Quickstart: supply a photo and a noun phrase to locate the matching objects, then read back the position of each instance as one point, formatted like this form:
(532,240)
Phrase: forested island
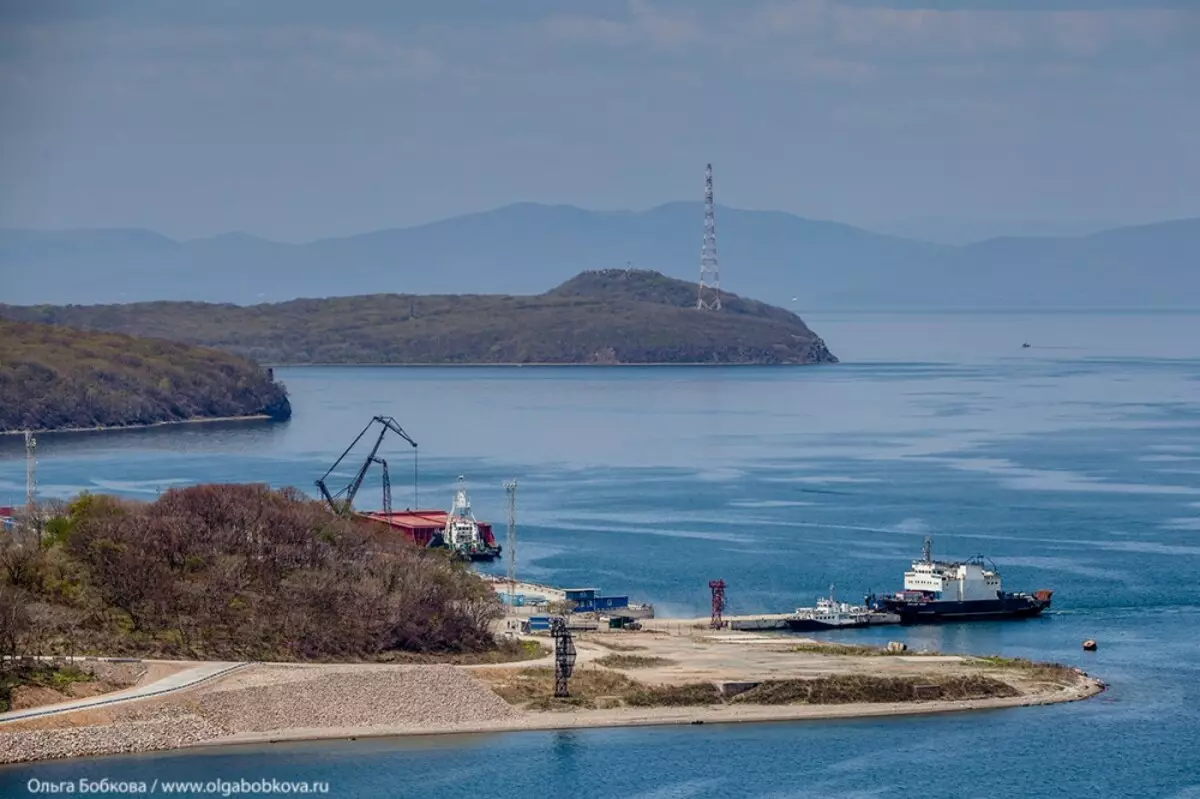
(613,316)
(59,378)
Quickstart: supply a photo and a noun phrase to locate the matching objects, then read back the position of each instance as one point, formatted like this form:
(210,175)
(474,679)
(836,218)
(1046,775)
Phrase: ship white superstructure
(462,531)
(952,581)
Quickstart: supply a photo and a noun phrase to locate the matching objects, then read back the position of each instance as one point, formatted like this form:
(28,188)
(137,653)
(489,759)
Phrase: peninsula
(57,378)
(242,614)
(613,316)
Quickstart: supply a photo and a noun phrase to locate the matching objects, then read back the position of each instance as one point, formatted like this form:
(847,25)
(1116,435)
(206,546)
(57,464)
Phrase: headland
(55,378)
(606,317)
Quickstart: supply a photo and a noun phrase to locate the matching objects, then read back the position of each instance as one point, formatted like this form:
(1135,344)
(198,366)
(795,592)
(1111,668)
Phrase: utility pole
(510,488)
(31,513)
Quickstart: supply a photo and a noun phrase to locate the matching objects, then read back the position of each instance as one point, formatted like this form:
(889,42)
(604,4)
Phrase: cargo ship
(943,591)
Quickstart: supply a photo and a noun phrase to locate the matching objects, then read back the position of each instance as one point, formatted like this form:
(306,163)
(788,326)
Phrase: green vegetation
(54,378)
(614,645)
(687,695)
(632,661)
(1056,673)
(840,689)
(234,572)
(600,688)
(56,676)
(505,651)
(608,317)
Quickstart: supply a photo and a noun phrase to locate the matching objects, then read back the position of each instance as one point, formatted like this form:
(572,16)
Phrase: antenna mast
(511,489)
(709,297)
(718,603)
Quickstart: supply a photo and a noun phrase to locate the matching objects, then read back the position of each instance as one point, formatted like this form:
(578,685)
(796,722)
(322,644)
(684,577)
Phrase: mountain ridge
(522,247)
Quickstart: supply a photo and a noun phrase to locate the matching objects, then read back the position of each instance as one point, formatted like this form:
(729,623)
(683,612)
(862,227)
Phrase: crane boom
(351,490)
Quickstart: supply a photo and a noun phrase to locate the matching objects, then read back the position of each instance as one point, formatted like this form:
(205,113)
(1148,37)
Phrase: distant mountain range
(964,230)
(776,257)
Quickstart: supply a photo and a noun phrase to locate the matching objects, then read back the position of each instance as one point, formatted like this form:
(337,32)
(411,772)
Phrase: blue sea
(1074,464)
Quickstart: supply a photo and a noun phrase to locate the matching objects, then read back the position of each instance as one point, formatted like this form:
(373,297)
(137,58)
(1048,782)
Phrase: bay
(1074,464)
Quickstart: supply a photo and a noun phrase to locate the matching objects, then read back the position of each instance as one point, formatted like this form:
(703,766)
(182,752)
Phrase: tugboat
(462,533)
(937,591)
(829,614)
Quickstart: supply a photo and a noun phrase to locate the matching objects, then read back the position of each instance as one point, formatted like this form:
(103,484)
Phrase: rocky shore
(262,699)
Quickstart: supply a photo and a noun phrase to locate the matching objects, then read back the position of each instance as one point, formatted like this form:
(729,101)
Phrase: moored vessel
(829,614)
(970,590)
(463,534)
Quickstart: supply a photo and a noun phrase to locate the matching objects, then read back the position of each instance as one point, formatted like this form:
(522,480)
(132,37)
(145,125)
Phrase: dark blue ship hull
(1008,606)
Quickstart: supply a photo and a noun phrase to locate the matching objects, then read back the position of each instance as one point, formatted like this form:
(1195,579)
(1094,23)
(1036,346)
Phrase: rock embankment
(284,697)
(262,699)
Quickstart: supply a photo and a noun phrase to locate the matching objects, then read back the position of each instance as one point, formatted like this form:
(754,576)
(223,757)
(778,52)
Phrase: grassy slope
(54,377)
(598,317)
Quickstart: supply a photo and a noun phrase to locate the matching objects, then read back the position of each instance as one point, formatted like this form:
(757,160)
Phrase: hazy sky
(296,119)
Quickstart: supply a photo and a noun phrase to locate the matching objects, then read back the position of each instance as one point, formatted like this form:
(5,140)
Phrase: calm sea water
(1074,464)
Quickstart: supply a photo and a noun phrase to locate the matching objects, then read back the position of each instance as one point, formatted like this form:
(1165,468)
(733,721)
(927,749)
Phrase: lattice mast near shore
(718,604)
(709,296)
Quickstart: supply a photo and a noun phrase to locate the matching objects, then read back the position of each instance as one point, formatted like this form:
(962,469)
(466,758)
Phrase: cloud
(643,25)
(922,33)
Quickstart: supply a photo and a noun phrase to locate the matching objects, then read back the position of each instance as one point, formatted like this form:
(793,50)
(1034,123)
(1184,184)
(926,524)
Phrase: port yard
(673,671)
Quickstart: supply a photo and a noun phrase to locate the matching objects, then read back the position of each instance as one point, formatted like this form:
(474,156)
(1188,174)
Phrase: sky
(300,119)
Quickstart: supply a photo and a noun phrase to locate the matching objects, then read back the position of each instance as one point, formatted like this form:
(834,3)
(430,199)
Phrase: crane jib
(351,490)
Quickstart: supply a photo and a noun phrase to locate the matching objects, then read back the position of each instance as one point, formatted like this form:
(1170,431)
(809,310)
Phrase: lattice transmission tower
(718,604)
(709,298)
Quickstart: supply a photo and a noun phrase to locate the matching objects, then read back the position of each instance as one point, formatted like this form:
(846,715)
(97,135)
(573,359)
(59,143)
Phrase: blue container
(580,594)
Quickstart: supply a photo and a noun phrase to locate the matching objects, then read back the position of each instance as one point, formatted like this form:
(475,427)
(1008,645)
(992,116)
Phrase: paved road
(174,682)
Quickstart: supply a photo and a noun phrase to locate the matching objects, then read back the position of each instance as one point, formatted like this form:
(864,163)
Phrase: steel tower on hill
(709,298)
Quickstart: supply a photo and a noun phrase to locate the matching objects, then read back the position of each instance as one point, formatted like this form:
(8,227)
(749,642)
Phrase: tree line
(230,572)
(54,377)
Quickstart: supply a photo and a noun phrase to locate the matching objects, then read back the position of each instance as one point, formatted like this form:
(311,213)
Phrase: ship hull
(1012,607)
(813,626)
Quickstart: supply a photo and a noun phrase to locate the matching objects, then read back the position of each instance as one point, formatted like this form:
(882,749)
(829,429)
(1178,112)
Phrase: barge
(457,529)
(941,591)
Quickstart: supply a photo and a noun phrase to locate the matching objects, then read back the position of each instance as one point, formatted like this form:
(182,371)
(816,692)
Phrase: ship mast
(927,550)
(461,509)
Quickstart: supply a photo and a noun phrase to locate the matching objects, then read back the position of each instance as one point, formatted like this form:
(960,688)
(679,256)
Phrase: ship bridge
(948,580)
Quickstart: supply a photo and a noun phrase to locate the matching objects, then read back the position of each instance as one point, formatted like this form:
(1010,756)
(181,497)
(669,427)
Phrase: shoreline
(181,742)
(272,703)
(545,721)
(539,364)
(259,417)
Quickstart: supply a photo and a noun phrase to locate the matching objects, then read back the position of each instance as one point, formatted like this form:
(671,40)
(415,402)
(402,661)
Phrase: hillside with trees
(231,572)
(54,378)
(610,316)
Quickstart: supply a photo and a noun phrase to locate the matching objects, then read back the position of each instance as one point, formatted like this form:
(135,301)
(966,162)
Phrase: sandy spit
(277,703)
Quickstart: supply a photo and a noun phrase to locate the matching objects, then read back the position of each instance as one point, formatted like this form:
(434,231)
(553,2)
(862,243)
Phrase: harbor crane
(342,501)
